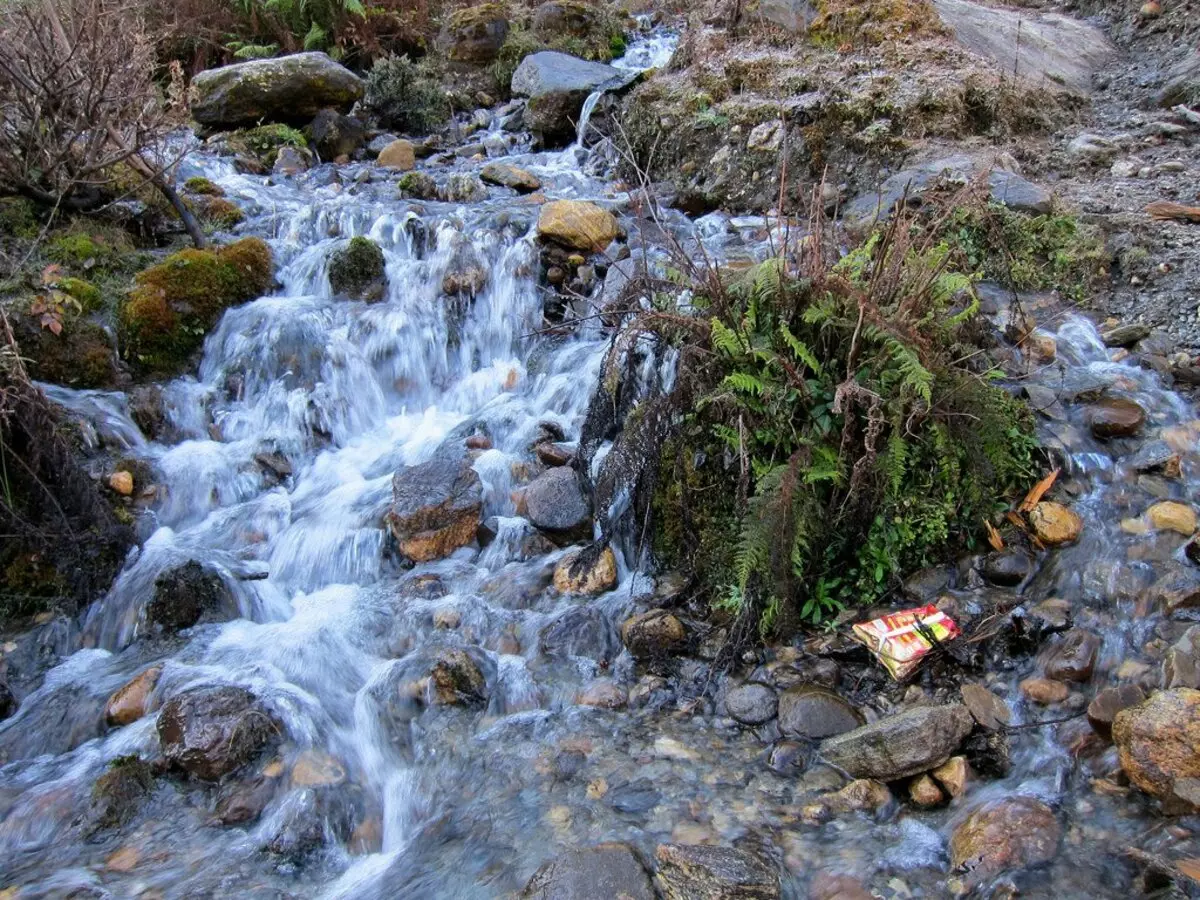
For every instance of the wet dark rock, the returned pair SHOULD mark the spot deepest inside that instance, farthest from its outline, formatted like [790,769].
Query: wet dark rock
[185,595]
[274,464]
[553,454]
[651,692]
[557,84]
[751,704]
[1105,705]
[701,872]
[285,89]
[1158,744]
[292,160]
[557,502]
[148,411]
[1114,417]
[1007,568]
[419,185]
[580,631]
[1152,456]
[789,758]
[466,274]
[334,134]
[1074,657]
[607,870]
[988,752]
[118,793]
[308,820]
[902,744]
[210,732]
[1181,665]
[358,271]
[652,635]
[1177,588]
[814,713]
[436,508]
[635,797]
[457,679]
[244,801]
[1004,836]
[924,585]
[8,703]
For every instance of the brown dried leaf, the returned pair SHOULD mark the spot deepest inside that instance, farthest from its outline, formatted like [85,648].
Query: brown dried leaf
[1165,209]
[993,537]
[1016,521]
[1189,867]
[1037,492]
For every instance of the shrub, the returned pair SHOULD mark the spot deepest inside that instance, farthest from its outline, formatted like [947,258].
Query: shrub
[406,95]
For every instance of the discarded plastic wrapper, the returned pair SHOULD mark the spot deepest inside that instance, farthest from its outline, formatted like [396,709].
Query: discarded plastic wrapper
[900,639]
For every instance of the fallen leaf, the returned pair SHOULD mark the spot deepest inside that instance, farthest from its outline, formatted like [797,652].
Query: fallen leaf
[1016,521]
[1036,493]
[1189,867]
[993,537]
[1164,209]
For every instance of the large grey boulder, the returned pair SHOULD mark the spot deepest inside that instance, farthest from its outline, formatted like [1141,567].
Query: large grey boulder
[1044,48]
[905,744]
[436,508]
[557,84]
[290,89]
[1004,187]
[1183,82]
[556,501]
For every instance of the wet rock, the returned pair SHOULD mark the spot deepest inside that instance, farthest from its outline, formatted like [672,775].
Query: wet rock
[860,795]
[573,575]
[358,271]
[789,758]
[1055,524]
[1177,588]
[900,745]
[462,187]
[1045,48]
[1074,658]
[121,483]
[607,870]
[1004,836]
[286,89]
[1007,568]
[292,161]
[604,693]
[636,797]
[210,732]
[557,85]
[580,631]
[457,680]
[577,225]
[1181,665]
[813,713]
[1125,335]
[1044,691]
[827,886]
[1152,456]
[244,801]
[988,752]
[751,704]
[466,274]
[557,501]
[952,775]
[990,711]
[701,872]
[419,185]
[1158,742]
[1105,705]
[307,821]
[651,635]
[147,410]
[924,585]
[132,701]
[316,769]
[436,508]
[1113,417]
[118,793]
[553,455]
[188,594]
[510,176]
[8,702]
[399,154]
[1171,516]
[924,791]
[334,134]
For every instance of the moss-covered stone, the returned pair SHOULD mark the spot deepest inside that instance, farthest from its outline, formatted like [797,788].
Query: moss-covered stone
[86,246]
[117,794]
[175,303]
[419,185]
[86,294]
[219,213]
[475,34]
[200,185]
[263,142]
[81,355]
[358,271]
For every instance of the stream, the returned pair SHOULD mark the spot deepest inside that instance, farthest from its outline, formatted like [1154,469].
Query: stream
[368,795]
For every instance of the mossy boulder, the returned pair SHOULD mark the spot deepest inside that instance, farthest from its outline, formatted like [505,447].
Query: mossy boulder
[291,89]
[476,34]
[419,185]
[585,29]
[200,185]
[80,356]
[358,271]
[219,213]
[175,303]
[262,144]
[118,793]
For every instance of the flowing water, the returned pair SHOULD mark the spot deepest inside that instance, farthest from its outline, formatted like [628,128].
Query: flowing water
[467,802]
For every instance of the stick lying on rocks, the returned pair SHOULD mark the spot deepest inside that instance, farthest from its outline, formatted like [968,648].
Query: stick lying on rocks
[1165,209]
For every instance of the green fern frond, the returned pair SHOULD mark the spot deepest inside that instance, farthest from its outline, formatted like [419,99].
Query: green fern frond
[800,350]
[745,383]
[725,339]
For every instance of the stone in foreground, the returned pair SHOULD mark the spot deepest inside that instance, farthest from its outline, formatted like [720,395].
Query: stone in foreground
[288,89]
[1005,835]
[557,84]
[210,732]
[436,508]
[901,745]
[577,225]
[607,870]
[699,872]
[1158,743]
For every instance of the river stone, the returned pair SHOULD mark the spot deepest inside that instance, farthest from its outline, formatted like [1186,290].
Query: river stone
[358,271]
[1004,835]
[1007,568]
[557,84]
[118,793]
[317,769]
[510,176]
[436,508]
[814,713]
[924,791]
[1074,659]
[603,693]
[701,872]
[653,635]
[1111,417]
[990,711]
[588,580]
[419,185]
[580,631]
[1044,48]
[334,134]
[209,732]
[132,701]
[462,187]
[474,35]
[8,702]
[1044,691]
[1125,335]
[900,745]
[952,775]
[399,154]
[577,225]
[789,758]
[1055,524]
[457,680]
[1177,588]
[1153,455]
[292,160]
[557,501]
[751,704]
[1105,705]
[1158,741]
[607,870]
[286,89]
[1181,665]
[185,595]
[1171,516]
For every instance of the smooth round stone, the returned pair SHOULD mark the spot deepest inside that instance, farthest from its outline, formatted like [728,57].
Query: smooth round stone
[1111,417]
[751,704]
[811,712]
[1007,568]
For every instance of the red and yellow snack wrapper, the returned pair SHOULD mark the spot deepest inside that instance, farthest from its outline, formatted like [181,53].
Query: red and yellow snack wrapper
[898,642]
